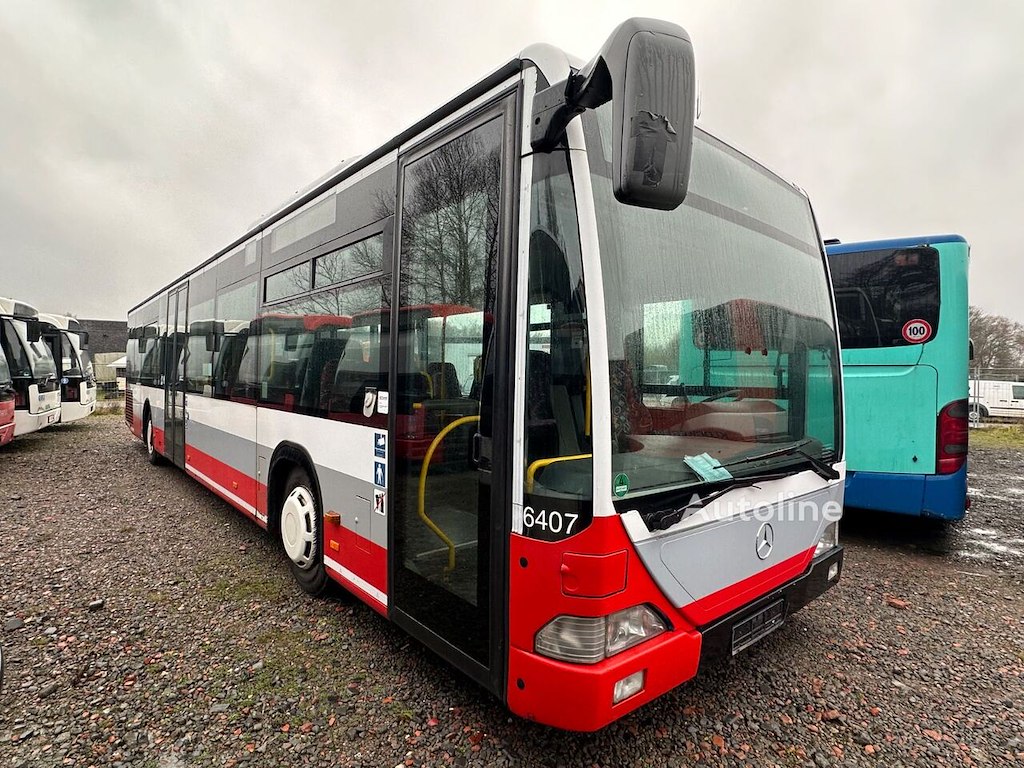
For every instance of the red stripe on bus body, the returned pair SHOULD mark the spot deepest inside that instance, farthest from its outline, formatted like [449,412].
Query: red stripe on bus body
[227,477]
[6,421]
[367,560]
[708,608]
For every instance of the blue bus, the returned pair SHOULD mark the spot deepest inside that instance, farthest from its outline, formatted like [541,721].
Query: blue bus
[902,308]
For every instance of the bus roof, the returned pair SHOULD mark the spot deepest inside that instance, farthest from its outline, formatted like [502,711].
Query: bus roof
[64,322]
[893,243]
[464,98]
[17,308]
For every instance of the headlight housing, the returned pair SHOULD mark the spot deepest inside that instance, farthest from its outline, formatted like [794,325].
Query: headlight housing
[590,639]
[829,538]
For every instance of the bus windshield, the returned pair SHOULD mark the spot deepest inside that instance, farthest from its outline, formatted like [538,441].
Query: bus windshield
[721,338]
[28,359]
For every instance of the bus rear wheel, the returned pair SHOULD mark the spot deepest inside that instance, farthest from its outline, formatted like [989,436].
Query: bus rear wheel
[300,526]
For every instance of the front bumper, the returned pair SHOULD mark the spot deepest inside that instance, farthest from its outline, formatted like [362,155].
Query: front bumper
[578,697]
[717,638]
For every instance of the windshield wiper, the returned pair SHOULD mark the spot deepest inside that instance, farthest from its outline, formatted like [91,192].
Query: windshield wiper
[661,519]
[821,468]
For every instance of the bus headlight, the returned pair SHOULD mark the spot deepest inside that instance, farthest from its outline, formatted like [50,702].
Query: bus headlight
[829,538]
[589,639]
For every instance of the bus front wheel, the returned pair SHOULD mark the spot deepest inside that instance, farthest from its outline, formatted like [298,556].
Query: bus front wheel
[151,452]
[301,531]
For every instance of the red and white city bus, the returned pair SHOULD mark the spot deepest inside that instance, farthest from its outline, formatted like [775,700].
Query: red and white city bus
[33,372]
[68,342]
[425,377]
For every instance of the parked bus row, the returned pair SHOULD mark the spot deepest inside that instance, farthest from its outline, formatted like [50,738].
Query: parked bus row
[46,375]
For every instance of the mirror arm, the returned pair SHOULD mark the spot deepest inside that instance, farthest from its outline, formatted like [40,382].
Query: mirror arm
[552,112]
[556,105]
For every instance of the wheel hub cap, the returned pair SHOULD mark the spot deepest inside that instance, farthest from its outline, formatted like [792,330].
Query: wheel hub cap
[298,527]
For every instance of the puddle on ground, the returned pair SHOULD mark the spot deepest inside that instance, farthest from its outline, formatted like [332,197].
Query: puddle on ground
[992,542]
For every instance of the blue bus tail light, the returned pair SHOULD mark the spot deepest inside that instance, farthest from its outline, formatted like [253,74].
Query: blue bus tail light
[952,437]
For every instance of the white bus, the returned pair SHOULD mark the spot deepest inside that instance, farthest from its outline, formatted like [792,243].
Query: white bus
[33,371]
[990,397]
[424,378]
[68,342]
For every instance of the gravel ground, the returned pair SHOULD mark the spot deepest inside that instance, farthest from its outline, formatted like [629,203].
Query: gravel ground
[147,624]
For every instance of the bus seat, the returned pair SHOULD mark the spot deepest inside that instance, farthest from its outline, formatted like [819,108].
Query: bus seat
[445,379]
[327,374]
[629,415]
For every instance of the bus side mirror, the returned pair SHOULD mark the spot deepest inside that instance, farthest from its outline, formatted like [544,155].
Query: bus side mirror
[84,339]
[646,69]
[970,350]
[33,331]
[212,342]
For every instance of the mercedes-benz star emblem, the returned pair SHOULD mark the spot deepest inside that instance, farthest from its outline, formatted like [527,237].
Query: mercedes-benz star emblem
[765,540]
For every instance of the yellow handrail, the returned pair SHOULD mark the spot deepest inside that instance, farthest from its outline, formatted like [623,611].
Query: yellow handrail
[421,501]
[541,463]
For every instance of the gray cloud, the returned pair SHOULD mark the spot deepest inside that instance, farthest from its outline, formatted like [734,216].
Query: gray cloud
[138,138]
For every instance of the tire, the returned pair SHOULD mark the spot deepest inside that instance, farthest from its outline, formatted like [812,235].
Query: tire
[147,436]
[977,413]
[300,530]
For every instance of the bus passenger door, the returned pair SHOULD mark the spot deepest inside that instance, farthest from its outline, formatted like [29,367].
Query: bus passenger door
[450,394]
[174,378]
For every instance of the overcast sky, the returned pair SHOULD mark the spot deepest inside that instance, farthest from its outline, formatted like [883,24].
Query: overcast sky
[139,138]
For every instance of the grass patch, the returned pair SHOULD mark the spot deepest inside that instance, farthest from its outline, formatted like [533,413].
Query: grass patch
[245,592]
[998,436]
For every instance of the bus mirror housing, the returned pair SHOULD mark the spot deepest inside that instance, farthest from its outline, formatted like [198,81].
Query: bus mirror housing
[83,337]
[970,350]
[646,69]
[33,330]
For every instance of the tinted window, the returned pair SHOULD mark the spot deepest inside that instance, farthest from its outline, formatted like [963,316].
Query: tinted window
[234,360]
[315,358]
[291,282]
[14,350]
[879,292]
[1018,391]
[354,261]
[151,352]
[69,366]
[202,342]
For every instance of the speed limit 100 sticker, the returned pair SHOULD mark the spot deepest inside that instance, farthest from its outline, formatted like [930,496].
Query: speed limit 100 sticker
[917,331]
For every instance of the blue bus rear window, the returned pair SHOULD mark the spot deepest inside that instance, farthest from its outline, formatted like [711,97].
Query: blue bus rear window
[880,293]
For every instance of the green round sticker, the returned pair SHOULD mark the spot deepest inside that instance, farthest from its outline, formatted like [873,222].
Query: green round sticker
[621,484]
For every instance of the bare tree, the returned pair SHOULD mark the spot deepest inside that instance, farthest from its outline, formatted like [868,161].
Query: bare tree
[998,341]
[450,222]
